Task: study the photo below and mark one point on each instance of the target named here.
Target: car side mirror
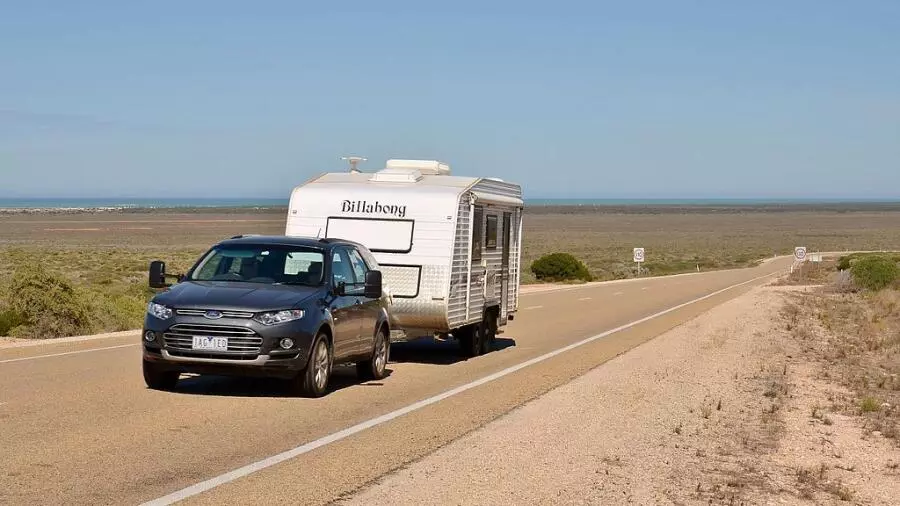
(158, 274)
(340, 289)
(373, 285)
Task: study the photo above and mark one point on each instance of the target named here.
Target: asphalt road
(78, 426)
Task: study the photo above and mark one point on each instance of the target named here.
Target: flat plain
(105, 254)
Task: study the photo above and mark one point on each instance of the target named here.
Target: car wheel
(159, 379)
(313, 380)
(470, 340)
(376, 367)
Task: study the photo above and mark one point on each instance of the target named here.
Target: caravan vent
(396, 176)
(430, 167)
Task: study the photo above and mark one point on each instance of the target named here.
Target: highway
(79, 426)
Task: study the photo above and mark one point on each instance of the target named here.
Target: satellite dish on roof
(354, 161)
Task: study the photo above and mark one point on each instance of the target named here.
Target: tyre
(490, 332)
(159, 379)
(312, 381)
(376, 367)
(471, 340)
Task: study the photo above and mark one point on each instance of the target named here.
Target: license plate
(210, 343)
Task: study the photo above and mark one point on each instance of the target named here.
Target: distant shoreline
(99, 205)
(532, 207)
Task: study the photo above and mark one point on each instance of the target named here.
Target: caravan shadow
(429, 351)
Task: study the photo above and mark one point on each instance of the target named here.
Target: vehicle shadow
(229, 386)
(430, 351)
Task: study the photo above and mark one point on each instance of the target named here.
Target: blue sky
(580, 99)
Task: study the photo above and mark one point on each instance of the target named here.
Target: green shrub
(9, 320)
(843, 263)
(875, 272)
(46, 304)
(560, 267)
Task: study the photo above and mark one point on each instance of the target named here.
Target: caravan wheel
(490, 332)
(471, 340)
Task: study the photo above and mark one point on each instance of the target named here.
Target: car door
(369, 308)
(344, 308)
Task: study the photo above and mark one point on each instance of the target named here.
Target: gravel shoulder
(721, 409)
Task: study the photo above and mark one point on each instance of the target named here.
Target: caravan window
(384, 236)
(477, 231)
(492, 232)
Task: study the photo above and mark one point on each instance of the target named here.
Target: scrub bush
(44, 305)
(875, 272)
(560, 267)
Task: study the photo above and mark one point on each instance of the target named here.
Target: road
(79, 426)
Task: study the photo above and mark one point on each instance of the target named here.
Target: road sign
(638, 255)
(800, 253)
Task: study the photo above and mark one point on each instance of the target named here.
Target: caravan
(449, 247)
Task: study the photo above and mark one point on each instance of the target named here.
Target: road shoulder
(717, 409)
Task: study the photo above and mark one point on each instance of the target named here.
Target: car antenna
(354, 161)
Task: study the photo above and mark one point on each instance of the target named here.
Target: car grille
(243, 343)
(225, 314)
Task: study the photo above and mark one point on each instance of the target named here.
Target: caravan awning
(500, 200)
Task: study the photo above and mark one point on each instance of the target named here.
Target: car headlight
(276, 317)
(159, 311)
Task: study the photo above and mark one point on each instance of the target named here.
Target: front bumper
(262, 366)
(253, 348)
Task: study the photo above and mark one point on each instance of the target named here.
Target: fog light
(286, 343)
(149, 336)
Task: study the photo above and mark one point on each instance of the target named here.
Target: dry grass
(856, 339)
(679, 239)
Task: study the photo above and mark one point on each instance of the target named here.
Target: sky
(643, 99)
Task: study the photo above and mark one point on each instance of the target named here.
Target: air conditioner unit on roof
(430, 167)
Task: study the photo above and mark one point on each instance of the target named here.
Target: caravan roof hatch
(410, 171)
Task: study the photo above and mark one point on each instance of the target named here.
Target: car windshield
(264, 263)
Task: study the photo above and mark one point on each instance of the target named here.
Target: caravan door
(504, 267)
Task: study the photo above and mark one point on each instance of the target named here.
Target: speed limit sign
(638, 255)
(800, 253)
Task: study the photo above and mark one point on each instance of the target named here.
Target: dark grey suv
(278, 306)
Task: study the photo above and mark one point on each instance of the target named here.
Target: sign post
(638, 258)
(799, 258)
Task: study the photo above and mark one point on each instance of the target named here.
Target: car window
(341, 271)
(252, 263)
(359, 266)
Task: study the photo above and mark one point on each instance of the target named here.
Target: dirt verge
(726, 409)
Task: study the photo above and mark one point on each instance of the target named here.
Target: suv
(283, 307)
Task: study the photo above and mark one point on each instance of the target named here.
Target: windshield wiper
(292, 283)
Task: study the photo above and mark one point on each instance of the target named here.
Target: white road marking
(585, 298)
(645, 288)
(618, 293)
(8, 360)
(534, 307)
(240, 472)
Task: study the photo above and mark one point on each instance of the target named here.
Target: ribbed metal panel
(499, 188)
(456, 307)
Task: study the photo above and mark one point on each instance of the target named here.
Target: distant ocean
(150, 203)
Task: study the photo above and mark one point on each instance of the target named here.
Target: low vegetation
(560, 267)
(855, 337)
(875, 272)
(104, 256)
(47, 293)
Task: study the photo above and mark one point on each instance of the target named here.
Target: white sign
(815, 257)
(800, 253)
(638, 255)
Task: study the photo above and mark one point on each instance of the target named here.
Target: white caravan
(449, 247)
